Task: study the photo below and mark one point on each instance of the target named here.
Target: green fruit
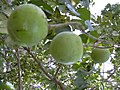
(100, 55)
(27, 25)
(66, 48)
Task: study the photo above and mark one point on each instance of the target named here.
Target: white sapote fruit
(27, 25)
(66, 48)
(100, 55)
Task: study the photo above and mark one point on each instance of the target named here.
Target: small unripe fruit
(66, 48)
(27, 25)
(100, 55)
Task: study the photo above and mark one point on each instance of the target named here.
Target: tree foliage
(35, 69)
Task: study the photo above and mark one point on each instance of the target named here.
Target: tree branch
(79, 27)
(44, 71)
(97, 39)
(65, 24)
(19, 70)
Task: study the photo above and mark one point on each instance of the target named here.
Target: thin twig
(97, 39)
(19, 70)
(110, 75)
(57, 70)
(4, 14)
(44, 71)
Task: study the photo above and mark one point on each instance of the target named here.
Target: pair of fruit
(27, 26)
(67, 49)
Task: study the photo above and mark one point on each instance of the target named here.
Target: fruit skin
(66, 48)
(27, 25)
(100, 55)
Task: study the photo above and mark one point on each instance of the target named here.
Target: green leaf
(61, 1)
(81, 74)
(4, 86)
(94, 33)
(84, 38)
(76, 1)
(84, 14)
(53, 86)
(76, 66)
(62, 8)
(57, 13)
(3, 23)
(79, 82)
(42, 3)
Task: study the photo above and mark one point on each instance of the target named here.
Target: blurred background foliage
(97, 31)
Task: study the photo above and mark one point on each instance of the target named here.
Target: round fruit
(100, 55)
(27, 25)
(66, 48)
